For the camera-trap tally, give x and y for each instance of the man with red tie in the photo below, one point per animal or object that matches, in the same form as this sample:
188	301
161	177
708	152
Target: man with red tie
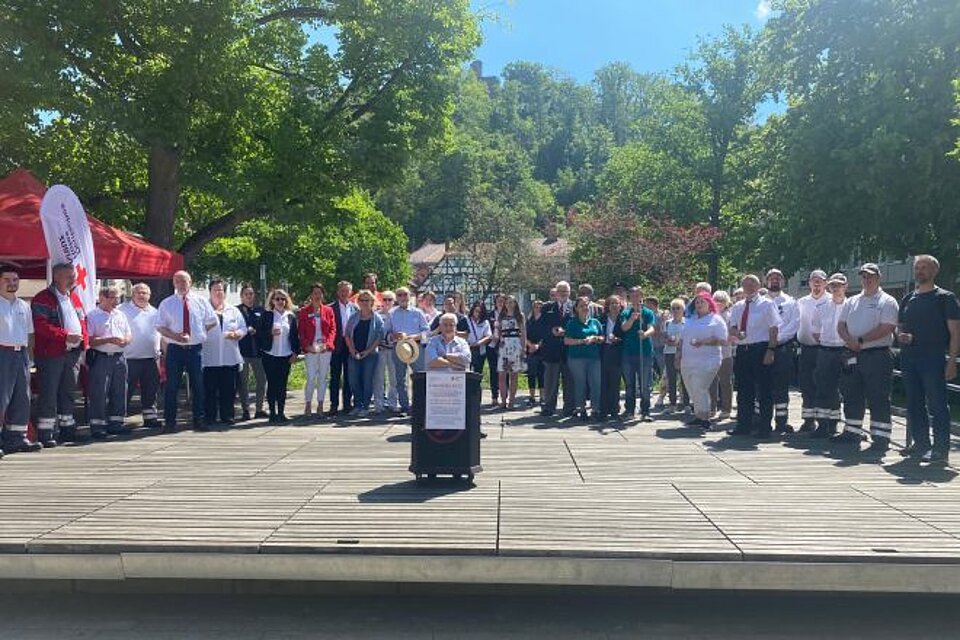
754	326
184	319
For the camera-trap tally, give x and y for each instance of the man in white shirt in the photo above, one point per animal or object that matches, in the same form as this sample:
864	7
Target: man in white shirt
142	353
107	385
784	363
830	347
866	325
184	319
406	322
16	340
807	365
754	327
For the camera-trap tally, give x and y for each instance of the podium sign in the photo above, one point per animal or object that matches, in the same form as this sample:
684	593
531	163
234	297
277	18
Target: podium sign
446	402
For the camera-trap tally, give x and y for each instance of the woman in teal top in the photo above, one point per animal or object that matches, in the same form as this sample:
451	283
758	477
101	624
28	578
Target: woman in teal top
582	337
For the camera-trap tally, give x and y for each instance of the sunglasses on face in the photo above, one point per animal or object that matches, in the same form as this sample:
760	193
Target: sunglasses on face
279	299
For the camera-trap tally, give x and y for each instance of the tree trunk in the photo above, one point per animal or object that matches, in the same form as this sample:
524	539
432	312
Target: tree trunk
163	193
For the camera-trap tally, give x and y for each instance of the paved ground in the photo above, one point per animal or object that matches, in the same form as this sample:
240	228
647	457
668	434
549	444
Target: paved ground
557	488
429	616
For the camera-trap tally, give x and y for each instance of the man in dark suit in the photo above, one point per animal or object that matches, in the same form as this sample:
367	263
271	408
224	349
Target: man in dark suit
554	318
343	308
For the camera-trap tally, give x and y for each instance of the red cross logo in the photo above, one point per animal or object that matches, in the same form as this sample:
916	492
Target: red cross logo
82	277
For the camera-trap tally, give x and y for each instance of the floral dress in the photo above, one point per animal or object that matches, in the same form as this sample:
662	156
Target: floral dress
511	357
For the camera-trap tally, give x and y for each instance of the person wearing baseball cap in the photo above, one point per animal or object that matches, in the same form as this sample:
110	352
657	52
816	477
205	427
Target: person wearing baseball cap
866	324
807	365
830	347
786	350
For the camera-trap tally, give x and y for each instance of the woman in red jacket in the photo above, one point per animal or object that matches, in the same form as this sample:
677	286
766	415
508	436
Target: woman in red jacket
318	330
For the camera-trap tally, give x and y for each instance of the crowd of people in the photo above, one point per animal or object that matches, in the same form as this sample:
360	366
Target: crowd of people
359	350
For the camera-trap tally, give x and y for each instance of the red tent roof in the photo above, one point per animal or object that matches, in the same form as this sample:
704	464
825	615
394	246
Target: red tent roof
119	254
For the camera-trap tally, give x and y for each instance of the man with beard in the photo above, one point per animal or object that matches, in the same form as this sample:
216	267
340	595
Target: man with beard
929	324
785	357
807	306
16	338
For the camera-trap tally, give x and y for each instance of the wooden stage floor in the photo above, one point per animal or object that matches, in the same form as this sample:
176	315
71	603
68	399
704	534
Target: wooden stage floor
551	491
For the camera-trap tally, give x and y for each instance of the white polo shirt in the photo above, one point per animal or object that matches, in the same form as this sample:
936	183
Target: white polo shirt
864	313
763	315
809	308
16	323
170	316
143	329
103	324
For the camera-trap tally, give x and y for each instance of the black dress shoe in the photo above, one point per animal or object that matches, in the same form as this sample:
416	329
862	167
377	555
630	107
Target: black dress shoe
762	434
170	427
152	424
784	428
282	419
546	413
260	414
20	444
879	445
201	426
245	416
228	422
332	413
846	437
99	434
738	432
116	429
808	426
646	418
46	439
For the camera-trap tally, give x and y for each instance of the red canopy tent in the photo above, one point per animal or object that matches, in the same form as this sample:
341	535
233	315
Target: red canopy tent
119	254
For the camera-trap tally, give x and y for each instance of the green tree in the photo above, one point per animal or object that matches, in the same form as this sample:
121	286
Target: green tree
864	170
231	99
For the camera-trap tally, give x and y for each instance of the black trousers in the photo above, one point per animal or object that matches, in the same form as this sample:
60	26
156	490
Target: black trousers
477	360
219	389
278	371
783	370
611	372
534	373
829	369
808	380
143	372
340	379
754	386
493	355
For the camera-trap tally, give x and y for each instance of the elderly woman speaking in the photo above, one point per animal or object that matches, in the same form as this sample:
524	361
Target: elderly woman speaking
700	355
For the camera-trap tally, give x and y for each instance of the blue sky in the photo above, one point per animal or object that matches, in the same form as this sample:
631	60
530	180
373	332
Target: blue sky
578	37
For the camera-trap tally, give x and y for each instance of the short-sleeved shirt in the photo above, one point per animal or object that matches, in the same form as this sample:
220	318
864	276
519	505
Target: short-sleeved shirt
16	323
170	316
786	306
864	313
457	350
672	329
762	316
925	315
825	323
702	328
145	342
632	342
809	308
578	330
103	324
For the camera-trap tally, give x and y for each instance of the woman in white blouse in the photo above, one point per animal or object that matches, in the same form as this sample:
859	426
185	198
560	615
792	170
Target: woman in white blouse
221	357
721	393
279	344
700	353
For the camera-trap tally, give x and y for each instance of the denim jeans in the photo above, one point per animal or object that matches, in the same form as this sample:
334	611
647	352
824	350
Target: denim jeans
637	372
926	386
401	375
584	371
361	380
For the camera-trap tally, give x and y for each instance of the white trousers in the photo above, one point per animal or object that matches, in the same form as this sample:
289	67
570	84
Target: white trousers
698	379
384	380
318	367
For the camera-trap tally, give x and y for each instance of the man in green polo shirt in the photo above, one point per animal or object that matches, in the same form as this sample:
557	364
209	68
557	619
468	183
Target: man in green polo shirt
638	325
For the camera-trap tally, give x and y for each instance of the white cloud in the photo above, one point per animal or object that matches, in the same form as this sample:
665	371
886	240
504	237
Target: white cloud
763	10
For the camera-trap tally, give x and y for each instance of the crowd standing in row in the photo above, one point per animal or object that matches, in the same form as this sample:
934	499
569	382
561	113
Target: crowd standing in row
360	347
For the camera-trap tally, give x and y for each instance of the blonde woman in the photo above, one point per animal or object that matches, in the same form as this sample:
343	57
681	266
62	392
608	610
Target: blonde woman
279	343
